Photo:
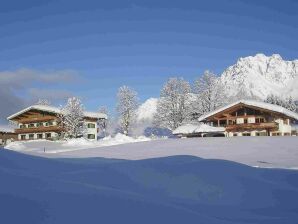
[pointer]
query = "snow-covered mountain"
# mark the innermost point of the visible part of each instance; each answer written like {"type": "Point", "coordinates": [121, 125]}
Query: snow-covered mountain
{"type": "Point", "coordinates": [251, 77]}
{"type": "Point", "coordinates": [260, 75]}
{"type": "Point", "coordinates": [147, 110]}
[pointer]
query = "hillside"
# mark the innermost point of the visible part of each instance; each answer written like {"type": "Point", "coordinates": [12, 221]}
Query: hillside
{"type": "Point", "coordinates": [252, 151]}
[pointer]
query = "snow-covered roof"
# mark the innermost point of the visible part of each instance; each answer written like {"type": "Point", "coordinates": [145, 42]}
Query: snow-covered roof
{"type": "Point", "coordinates": [258, 104]}
{"type": "Point", "coordinates": [56, 110]}
{"type": "Point", "coordinates": [197, 128]}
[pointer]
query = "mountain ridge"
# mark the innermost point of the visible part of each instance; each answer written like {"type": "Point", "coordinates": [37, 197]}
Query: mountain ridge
{"type": "Point", "coordinates": [260, 75]}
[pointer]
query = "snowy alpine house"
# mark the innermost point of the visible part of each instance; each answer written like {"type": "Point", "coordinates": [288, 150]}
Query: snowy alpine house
{"type": "Point", "coordinates": [41, 122]}
{"type": "Point", "coordinates": [252, 118]}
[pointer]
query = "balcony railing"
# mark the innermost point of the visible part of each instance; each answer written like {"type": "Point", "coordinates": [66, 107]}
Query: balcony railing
{"type": "Point", "coordinates": [38, 129]}
{"type": "Point", "coordinates": [36, 119]}
{"type": "Point", "coordinates": [252, 126]}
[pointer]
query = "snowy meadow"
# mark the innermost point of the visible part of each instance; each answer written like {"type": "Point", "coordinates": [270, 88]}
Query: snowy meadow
{"type": "Point", "coordinates": [175, 189]}
{"type": "Point", "coordinates": [270, 152]}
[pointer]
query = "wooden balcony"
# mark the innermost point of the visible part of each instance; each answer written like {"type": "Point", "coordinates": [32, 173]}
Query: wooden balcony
{"type": "Point", "coordinates": [36, 119]}
{"type": "Point", "coordinates": [252, 126]}
{"type": "Point", "coordinates": [38, 129]}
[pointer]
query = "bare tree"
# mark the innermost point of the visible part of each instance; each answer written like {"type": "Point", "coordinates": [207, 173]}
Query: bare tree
{"type": "Point", "coordinates": [71, 118]}
{"type": "Point", "coordinates": [210, 93]}
{"type": "Point", "coordinates": [126, 108]}
{"type": "Point", "coordinates": [173, 106]}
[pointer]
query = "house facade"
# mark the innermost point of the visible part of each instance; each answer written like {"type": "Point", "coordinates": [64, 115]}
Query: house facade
{"type": "Point", "coordinates": [252, 118]}
{"type": "Point", "coordinates": [41, 122]}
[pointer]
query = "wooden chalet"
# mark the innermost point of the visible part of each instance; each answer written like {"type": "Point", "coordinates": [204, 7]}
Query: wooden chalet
{"type": "Point", "coordinates": [252, 118]}
{"type": "Point", "coordinates": [41, 122]}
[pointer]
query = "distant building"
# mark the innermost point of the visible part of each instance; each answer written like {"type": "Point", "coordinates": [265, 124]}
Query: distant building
{"type": "Point", "coordinates": [252, 118]}
{"type": "Point", "coordinates": [7, 135]}
{"type": "Point", "coordinates": [40, 122]}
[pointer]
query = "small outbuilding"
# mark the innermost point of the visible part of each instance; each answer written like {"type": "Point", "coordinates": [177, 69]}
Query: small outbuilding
{"type": "Point", "coordinates": [198, 130]}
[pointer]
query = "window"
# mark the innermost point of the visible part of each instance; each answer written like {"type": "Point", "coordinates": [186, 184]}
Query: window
{"type": "Point", "coordinates": [46, 124]}
{"type": "Point", "coordinates": [39, 136]}
{"type": "Point", "coordinates": [23, 137]}
{"type": "Point", "coordinates": [91, 125]}
{"type": "Point", "coordinates": [91, 136]}
{"type": "Point", "coordinates": [31, 136]}
{"type": "Point", "coordinates": [259, 120]}
{"type": "Point", "coordinates": [240, 112]}
{"type": "Point", "coordinates": [245, 121]}
{"type": "Point", "coordinates": [48, 135]}
{"type": "Point", "coordinates": [261, 134]}
{"type": "Point", "coordinates": [230, 122]}
{"type": "Point", "coordinates": [31, 125]}
{"type": "Point", "coordinates": [39, 124]}
{"type": "Point", "coordinates": [275, 134]}
{"type": "Point", "coordinates": [50, 123]}
{"type": "Point", "coordinates": [235, 134]}
{"type": "Point", "coordinates": [245, 134]}
{"type": "Point", "coordinates": [22, 126]}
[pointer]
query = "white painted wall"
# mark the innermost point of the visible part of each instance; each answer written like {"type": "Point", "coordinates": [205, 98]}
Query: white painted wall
{"type": "Point", "coordinates": [91, 130]}
{"type": "Point", "coordinates": [283, 127]}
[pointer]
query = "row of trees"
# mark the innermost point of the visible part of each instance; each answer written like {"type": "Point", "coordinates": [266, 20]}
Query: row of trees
{"type": "Point", "coordinates": [179, 102]}
{"type": "Point", "coordinates": [287, 102]}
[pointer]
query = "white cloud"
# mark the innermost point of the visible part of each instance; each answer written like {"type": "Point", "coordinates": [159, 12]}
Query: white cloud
{"type": "Point", "coordinates": [50, 94]}
{"type": "Point", "coordinates": [24, 81]}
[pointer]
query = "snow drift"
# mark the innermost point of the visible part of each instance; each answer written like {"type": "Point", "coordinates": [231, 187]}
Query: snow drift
{"type": "Point", "coordinates": [179, 189]}
{"type": "Point", "coordinates": [45, 146]}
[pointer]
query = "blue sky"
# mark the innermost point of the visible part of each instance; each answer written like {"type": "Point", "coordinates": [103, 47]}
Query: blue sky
{"type": "Point", "coordinates": [107, 44]}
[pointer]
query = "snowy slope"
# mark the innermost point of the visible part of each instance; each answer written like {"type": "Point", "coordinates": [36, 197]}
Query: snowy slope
{"type": "Point", "coordinates": [46, 146]}
{"type": "Point", "coordinates": [276, 152]}
{"type": "Point", "coordinates": [179, 189]}
{"type": "Point", "coordinates": [260, 75]}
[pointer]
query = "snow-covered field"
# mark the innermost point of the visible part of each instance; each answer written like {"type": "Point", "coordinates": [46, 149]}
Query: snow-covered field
{"type": "Point", "coordinates": [46, 146]}
{"type": "Point", "coordinates": [270, 152]}
{"type": "Point", "coordinates": [176, 189]}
